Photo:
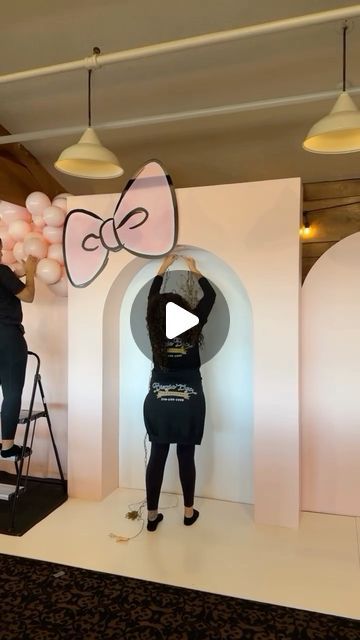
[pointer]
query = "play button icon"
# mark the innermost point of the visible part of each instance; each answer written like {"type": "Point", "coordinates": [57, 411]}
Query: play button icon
{"type": "Point", "coordinates": [178, 320]}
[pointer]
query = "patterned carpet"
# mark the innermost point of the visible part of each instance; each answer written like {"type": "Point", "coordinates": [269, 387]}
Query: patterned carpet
{"type": "Point", "coordinates": [46, 601]}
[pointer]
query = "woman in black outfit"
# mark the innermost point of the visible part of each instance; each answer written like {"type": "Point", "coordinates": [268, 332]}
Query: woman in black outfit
{"type": "Point", "coordinates": [13, 350]}
{"type": "Point", "coordinates": [174, 408]}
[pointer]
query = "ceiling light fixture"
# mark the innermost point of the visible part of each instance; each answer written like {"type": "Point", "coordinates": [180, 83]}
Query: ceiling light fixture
{"type": "Point", "coordinates": [339, 131]}
{"type": "Point", "coordinates": [89, 158]}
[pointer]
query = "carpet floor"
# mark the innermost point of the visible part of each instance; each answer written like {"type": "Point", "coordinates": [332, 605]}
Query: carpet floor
{"type": "Point", "coordinates": [46, 601]}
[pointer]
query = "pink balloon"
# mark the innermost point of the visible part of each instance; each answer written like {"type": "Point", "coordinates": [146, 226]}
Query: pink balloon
{"type": "Point", "coordinates": [36, 202]}
{"type": "Point", "coordinates": [18, 251]}
{"type": "Point", "coordinates": [53, 234]}
{"type": "Point", "coordinates": [38, 221]}
{"type": "Point", "coordinates": [49, 271]}
{"type": "Point", "coordinates": [55, 252]}
{"type": "Point", "coordinates": [10, 212]}
{"type": "Point", "coordinates": [19, 269]}
{"type": "Point", "coordinates": [19, 229]}
{"type": "Point", "coordinates": [7, 257]}
{"type": "Point", "coordinates": [61, 203]}
{"type": "Point", "coordinates": [54, 216]}
{"type": "Point", "coordinates": [60, 288]}
{"type": "Point", "coordinates": [36, 247]}
{"type": "Point", "coordinates": [7, 241]}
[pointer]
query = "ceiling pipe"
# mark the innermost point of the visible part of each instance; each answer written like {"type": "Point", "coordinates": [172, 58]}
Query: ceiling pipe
{"type": "Point", "coordinates": [207, 39]}
{"type": "Point", "coordinates": [163, 118]}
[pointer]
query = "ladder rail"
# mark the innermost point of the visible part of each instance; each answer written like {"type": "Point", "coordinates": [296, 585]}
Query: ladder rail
{"type": "Point", "coordinates": [26, 434]}
{"type": "Point", "coordinates": [19, 465]}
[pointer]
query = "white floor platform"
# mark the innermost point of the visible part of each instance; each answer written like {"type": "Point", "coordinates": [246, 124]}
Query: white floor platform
{"type": "Point", "coordinates": [316, 567]}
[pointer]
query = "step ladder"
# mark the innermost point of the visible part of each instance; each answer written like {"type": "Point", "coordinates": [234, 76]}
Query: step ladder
{"type": "Point", "coordinates": [29, 418]}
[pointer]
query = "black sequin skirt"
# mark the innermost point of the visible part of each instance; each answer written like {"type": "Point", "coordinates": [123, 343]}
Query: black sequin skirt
{"type": "Point", "coordinates": [174, 408]}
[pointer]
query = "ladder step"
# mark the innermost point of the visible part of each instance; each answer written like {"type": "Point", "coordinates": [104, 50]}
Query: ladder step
{"type": "Point", "coordinates": [7, 490]}
{"type": "Point", "coordinates": [36, 413]}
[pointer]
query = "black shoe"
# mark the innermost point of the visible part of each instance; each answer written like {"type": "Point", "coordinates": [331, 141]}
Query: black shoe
{"type": "Point", "coordinates": [152, 524]}
{"type": "Point", "coordinates": [15, 452]}
{"type": "Point", "coordinates": [189, 521]}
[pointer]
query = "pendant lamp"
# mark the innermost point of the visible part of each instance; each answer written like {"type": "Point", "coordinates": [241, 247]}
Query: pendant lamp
{"type": "Point", "coordinates": [89, 158]}
{"type": "Point", "coordinates": [339, 131]}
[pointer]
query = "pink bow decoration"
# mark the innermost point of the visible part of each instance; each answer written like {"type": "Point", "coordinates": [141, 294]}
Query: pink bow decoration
{"type": "Point", "coordinates": [144, 223]}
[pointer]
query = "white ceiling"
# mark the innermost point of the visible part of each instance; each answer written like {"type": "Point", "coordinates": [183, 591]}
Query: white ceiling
{"type": "Point", "coordinates": [254, 145]}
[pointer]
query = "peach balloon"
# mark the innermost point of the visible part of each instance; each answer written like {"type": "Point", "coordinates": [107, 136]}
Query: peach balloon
{"type": "Point", "coordinates": [19, 269]}
{"type": "Point", "coordinates": [55, 252]}
{"type": "Point", "coordinates": [19, 229]}
{"type": "Point", "coordinates": [37, 202]}
{"type": "Point", "coordinates": [36, 247]}
{"type": "Point", "coordinates": [7, 257]}
{"type": "Point", "coordinates": [49, 271]}
{"type": "Point", "coordinates": [7, 241]}
{"type": "Point", "coordinates": [60, 288]}
{"type": "Point", "coordinates": [54, 216]}
{"type": "Point", "coordinates": [18, 251]}
{"type": "Point", "coordinates": [53, 234]}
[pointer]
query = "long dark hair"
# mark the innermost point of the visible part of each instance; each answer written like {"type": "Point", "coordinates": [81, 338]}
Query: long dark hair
{"type": "Point", "coordinates": [156, 322]}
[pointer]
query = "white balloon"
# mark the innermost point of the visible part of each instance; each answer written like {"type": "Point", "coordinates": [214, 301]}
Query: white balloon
{"type": "Point", "coordinates": [49, 271]}
{"type": "Point", "coordinates": [61, 203]}
{"type": "Point", "coordinates": [53, 234]}
{"type": "Point", "coordinates": [11, 212]}
{"type": "Point", "coordinates": [19, 269]}
{"type": "Point", "coordinates": [36, 247]}
{"type": "Point", "coordinates": [34, 234]}
{"type": "Point", "coordinates": [54, 216]}
{"type": "Point", "coordinates": [19, 229]}
{"type": "Point", "coordinates": [36, 202]}
{"type": "Point", "coordinates": [38, 221]}
{"type": "Point", "coordinates": [18, 251]}
{"type": "Point", "coordinates": [60, 288]}
{"type": "Point", "coordinates": [55, 252]}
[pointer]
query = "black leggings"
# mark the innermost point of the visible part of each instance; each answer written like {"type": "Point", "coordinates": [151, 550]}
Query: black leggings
{"type": "Point", "coordinates": [13, 358]}
{"type": "Point", "coordinates": [155, 473]}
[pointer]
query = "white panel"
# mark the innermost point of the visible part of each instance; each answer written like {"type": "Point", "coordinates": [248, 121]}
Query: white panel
{"type": "Point", "coordinates": [330, 381]}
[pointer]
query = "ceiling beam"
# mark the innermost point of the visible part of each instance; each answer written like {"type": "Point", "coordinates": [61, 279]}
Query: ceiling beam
{"type": "Point", "coordinates": [21, 173]}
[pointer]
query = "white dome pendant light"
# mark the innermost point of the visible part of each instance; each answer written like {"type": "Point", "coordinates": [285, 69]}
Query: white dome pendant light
{"type": "Point", "coordinates": [88, 158]}
{"type": "Point", "coordinates": [339, 131]}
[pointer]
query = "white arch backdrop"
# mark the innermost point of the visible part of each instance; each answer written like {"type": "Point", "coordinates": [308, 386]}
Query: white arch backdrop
{"type": "Point", "coordinates": [254, 229]}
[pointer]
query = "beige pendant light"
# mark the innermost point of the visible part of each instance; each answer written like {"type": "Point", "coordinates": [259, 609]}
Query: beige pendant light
{"type": "Point", "coordinates": [88, 158]}
{"type": "Point", "coordinates": [339, 131]}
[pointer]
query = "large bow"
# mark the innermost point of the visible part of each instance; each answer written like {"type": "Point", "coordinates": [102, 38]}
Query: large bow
{"type": "Point", "coordinates": [144, 223]}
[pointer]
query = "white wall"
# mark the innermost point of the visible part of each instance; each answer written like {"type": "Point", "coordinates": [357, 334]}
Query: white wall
{"type": "Point", "coordinates": [330, 381]}
{"type": "Point", "coordinates": [225, 458]}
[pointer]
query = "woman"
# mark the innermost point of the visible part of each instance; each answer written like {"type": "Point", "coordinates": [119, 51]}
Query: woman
{"type": "Point", "coordinates": [13, 350]}
{"type": "Point", "coordinates": [174, 409]}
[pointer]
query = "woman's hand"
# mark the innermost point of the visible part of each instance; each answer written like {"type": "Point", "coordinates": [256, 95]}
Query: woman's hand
{"type": "Point", "coordinates": [192, 265]}
{"type": "Point", "coordinates": [166, 263]}
{"type": "Point", "coordinates": [30, 265]}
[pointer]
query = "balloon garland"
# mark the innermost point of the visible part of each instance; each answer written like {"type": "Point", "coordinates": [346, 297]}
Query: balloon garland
{"type": "Point", "coordinates": [36, 230]}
